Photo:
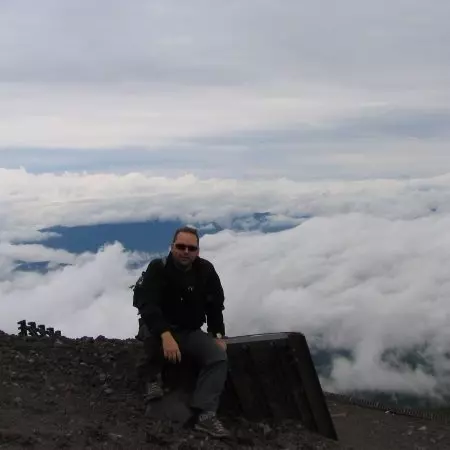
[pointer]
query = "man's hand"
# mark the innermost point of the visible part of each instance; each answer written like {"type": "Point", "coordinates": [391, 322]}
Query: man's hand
{"type": "Point", "coordinates": [170, 348]}
{"type": "Point", "coordinates": [221, 343]}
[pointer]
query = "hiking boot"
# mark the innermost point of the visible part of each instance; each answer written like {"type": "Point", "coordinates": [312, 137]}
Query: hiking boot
{"type": "Point", "coordinates": [209, 423]}
{"type": "Point", "coordinates": [154, 391]}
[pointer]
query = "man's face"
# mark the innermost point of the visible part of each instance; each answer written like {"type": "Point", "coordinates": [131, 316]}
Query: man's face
{"type": "Point", "coordinates": [185, 248]}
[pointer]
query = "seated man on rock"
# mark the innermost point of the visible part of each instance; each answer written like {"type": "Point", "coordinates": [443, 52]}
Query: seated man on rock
{"type": "Point", "coordinates": [175, 296]}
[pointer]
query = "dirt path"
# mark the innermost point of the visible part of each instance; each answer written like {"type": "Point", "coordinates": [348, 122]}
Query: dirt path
{"type": "Point", "coordinates": [369, 429]}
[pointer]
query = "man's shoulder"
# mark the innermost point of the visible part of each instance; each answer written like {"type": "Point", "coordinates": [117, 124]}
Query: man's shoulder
{"type": "Point", "coordinates": [204, 264]}
{"type": "Point", "coordinates": [158, 262]}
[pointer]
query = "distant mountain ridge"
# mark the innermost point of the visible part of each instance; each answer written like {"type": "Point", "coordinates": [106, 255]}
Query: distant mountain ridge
{"type": "Point", "coordinates": [150, 236]}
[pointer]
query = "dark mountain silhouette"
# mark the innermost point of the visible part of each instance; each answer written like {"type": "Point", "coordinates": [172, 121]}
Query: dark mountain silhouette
{"type": "Point", "coordinates": [148, 236]}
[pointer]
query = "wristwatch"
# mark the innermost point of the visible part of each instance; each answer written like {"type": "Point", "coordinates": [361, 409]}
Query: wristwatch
{"type": "Point", "coordinates": [219, 336]}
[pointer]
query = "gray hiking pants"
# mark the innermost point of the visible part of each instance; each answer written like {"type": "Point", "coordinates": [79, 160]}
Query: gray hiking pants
{"type": "Point", "coordinates": [203, 349]}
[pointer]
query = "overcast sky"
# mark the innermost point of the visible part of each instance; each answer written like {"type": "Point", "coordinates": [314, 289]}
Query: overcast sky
{"type": "Point", "coordinates": [257, 88]}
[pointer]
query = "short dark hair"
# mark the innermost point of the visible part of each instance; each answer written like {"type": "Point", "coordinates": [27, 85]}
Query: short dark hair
{"type": "Point", "coordinates": [186, 229]}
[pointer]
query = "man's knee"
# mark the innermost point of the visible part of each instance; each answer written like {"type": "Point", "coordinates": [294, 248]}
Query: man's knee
{"type": "Point", "coordinates": [210, 351]}
{"type": "Point", "coordinates": [216, 357]}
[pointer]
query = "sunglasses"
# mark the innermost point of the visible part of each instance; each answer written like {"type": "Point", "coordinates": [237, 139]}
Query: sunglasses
{"type": "Point", "coordinates": [184, 247]}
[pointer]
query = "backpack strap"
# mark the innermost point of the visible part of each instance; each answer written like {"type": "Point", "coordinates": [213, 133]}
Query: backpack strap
{"type": "Point", "coordinates": [163, 261]}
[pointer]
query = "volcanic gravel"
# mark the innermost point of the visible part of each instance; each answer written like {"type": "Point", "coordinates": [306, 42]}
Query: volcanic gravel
{"type": "Point", "coordinates": [59, 393]}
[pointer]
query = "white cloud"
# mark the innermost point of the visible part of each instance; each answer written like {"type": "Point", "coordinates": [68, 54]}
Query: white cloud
{"type": "Point", "coordinates": [350, 281]}
{"type": "Point", "coordinates": [32, 201]}
{"type": "Point", "coordinates": [368, 273]}
{"type": "Point", "coordinates": [81, 298]}
{"type": "Point", "coordinates": [10, 253]}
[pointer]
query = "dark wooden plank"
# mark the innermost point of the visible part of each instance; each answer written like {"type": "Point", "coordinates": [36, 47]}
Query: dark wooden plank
{"type": "Point", "coordinates": [244, 378]}
{"type": "Point", "coordinates": [287, 366]}
{"type": "Point", "coordinates": [271, 380]}
{"type": "Point", "coordinates": [312, 386]}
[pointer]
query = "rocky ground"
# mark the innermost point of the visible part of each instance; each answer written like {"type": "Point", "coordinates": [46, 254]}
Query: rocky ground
{"type": "Point", "coordinates": [83, 394]}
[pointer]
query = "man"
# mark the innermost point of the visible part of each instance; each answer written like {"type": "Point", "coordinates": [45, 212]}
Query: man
{"type": "Point", "coordinates": [175, 298]}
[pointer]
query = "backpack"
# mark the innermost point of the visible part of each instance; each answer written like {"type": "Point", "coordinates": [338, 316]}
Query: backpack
{"type": "Point", "coordinates": [137, 286]}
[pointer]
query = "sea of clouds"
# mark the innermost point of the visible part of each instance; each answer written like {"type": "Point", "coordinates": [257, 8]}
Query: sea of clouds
{"type": "Point", "coordinates": [364, 267]}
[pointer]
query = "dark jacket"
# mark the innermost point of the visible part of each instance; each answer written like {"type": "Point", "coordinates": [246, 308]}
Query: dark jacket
{"type": "Point", "coordinates": [167, 297]}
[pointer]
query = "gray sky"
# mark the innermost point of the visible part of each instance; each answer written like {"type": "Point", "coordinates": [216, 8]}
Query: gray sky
{"type": "Point", "coordinates": [298, 89]}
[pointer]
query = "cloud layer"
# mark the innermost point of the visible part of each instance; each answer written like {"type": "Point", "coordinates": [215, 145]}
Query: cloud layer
{"type": "Point", "coordinates": [367, 273]}
{"type": "Point", "coordinates": [32, 201]}
{"type": "Point", "coordinates": [349, 282]}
